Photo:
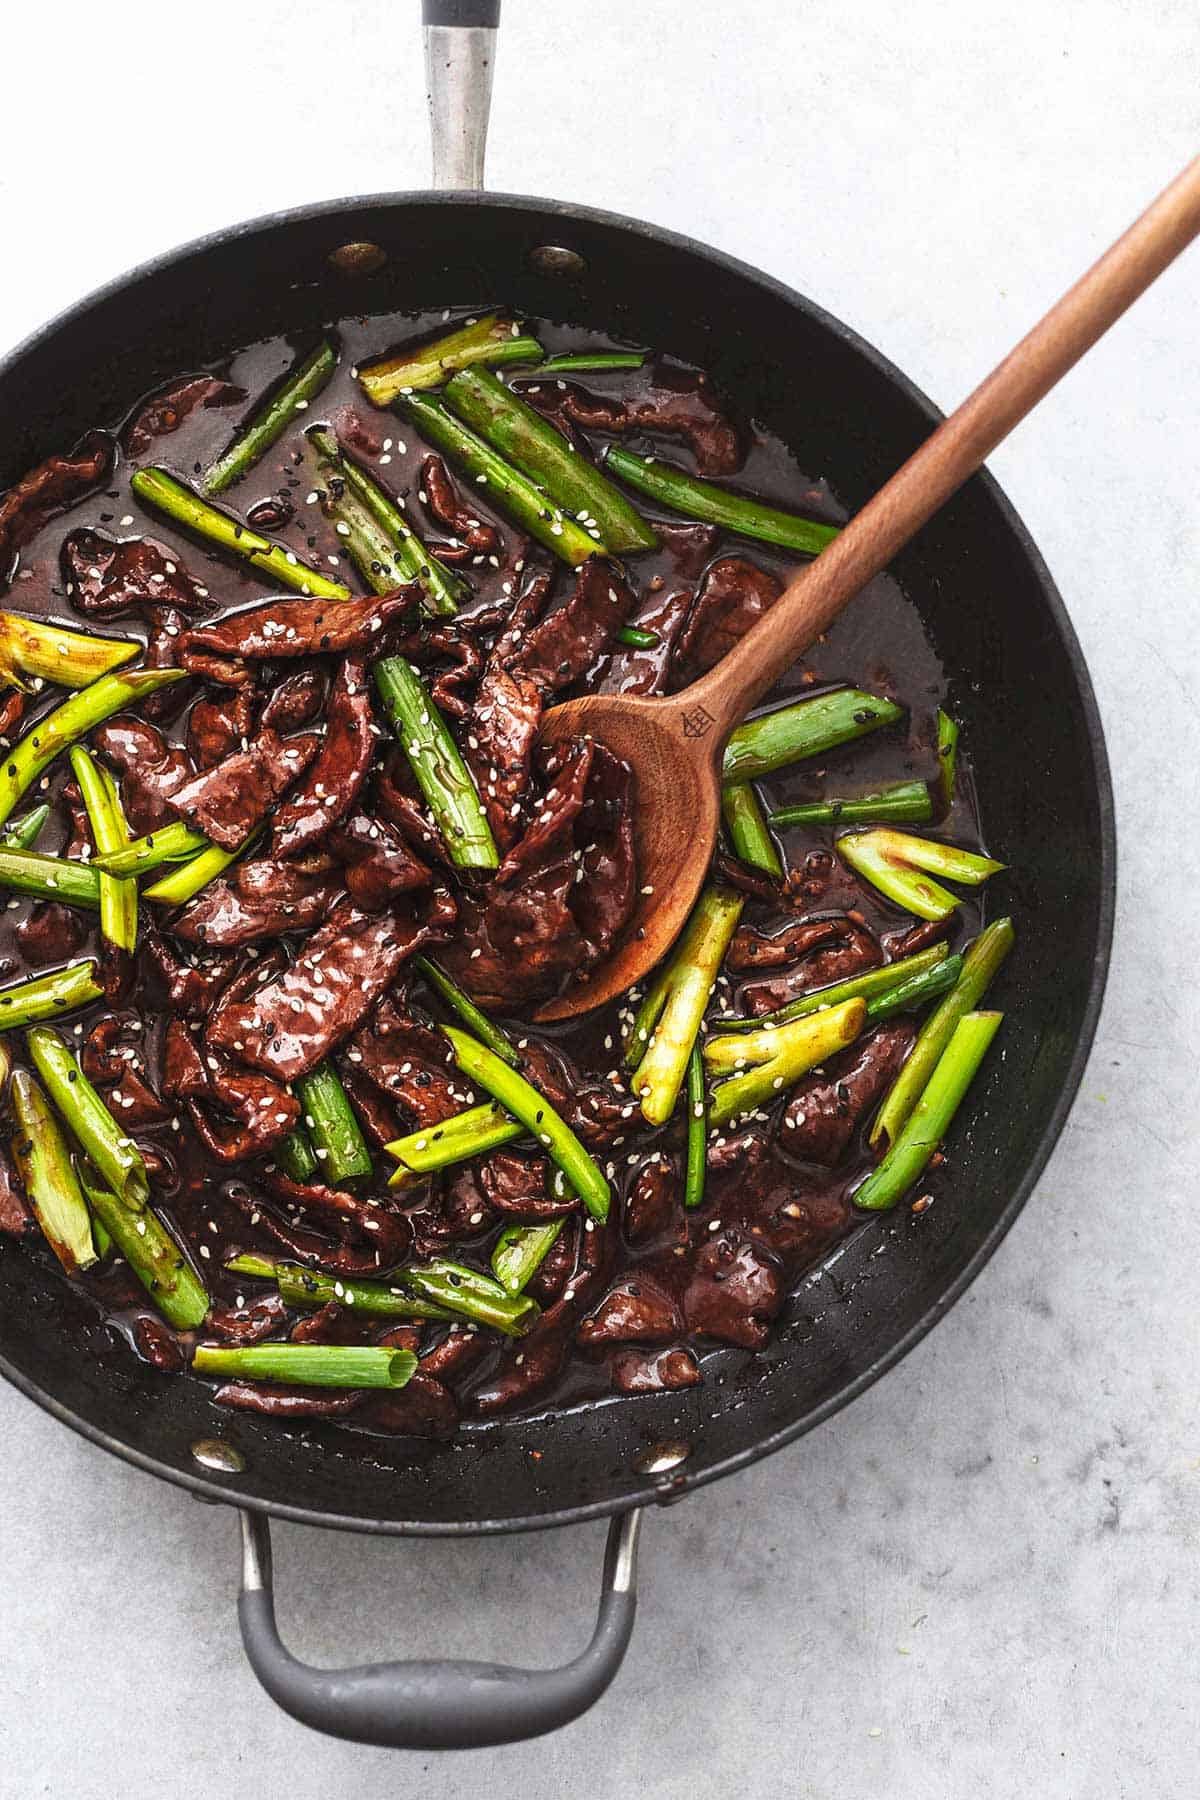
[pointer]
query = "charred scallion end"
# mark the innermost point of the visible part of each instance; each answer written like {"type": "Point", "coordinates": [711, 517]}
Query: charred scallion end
{"type": "Point", "coordinates": [746, 825]}
{"type": "Point", "coordinates": [930, 1118]}
{"type": "Point", "coordinates": [21, 766]}
{"type": "Point", "coordinates": [23, 833]}
{"type": "Point", "coordinates": [900, 866]}
{"type": "Point", "coordinates": [308, 1365]}
{"type": "Point", "coordinates": [300, 1286]}
{"type": "Point", "coordinates": [697, 1130]}
{"type": "Point", "coordinates": [385, 548]}
{"type": "Point", "coordinates": [163, 493]}
{"type": "Point", "coordinates": [520, 1252]}
{"type": "Point", "coordinates": [269, 421]}
{"type": "Point", "coordinates": [492, 339]}
{"type": "Point", "coordinates": [980, 963]}
{"type": "Point", "coordinates": [671, 487]}
{"type": "Point", "coordinates": [901, 803]}
{"type": "Point", "coordinates": [49, 877]}
{"type": "Point", "coordinates": [437, 765]}
{"type": "Point", "coordinates": [805, 728]}
{"type": "Point", "coordinates": [761, 1065]}
{"type": "Point", "coordinates": [455, 1140]}
{"type": "Point", "coordinates": [668, 1021]}
{"type": "Point", "coordinates": [43, 1162]}
{"type": "Point", "coordinates": [50, 996]}
{"type": "Point", "coordinates": [467, 1294]}
{"type": "Point", "coordinates": [115, 1157]}
{"type": "Point", "coordinates": [572, 482]}
{"type": "Point", "coordinates": [153, 1254]}
{"type": "Point", "coordinates": [36, 650]}
{"type": "Point", "coordinates": [176, 842]}
{"type": "Point", "coordinates": [185, 881]}
{"type": "Point", "coordinates": [520, 1098]}
{"type": "Point", "coordinates": [110, 834]}
{"type": "Point", "coordinates": [872, 984]}
{"type": "Point", "coordinates": [504, 486]}
{"type": "Point", "coordinates": [947, 753]}
{"type": "Point", "coordinates": [485, 1029]}
{"type": "Point", "coordinates": [333, 1131]}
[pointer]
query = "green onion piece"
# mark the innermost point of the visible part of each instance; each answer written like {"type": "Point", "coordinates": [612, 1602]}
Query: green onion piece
{"type": "Point", "coordinates": [21, 766]}
{"type": "Point", "coordinates": [637, 639]}
{"type": "Point", "coordinates": [504, 486]}
{"type": "Point", "coordinates": [115, 1157]}
{"type": "Point", "coordinates": [520, 1252]}
{"type": "Point", "coordinates": [271, 419]}
{"type": "Point", "coordinates": [437, 764]}
{"type": "Point", "coordinates": [917, 991]}
{"type": "Point", "coordinates": [981, 962]}
{"type": "Point", "coordinates": [333, 1130]}
{"type": "Point", "coordinates": [153, 1254]}
{"type": "Point", "coordinates": [50, 996]}
{"type": "Point", "coordinates": [522, 1100]}
{"type": "Point", "coordinates": [43, 1162]}
{"type": "Point", "coordinates": [762, 1064]}
{"type": "Point", "coordinates": [857, 987]}
{"type": "Point", "coordinates": [160, 491]}
{"type": "Point", "coordinates": [805, 728]}
{"type": "Point", "coordinates": [899, 865]}
{"type": "Point", "coordinates": [579, 362]}
{"type": "Point", "coordinates": [484, 1028]}
{"type": "Point", "coordinates": [703, 500]}
{"type": "Point", "coordinates": [457, 1139]}
{"type": "Point", "coordinates": [903, 803]}
{"type": "Point", "coordinates": [49, 877]}
{"type": "Point", "coordinates": [185, 882]}
{"type": "Point", "coordinates": [492, 339]}
{"type": "Point", "coordinates": [176, 842]}
{"type": "Point", "coordinates": [668, 1022]}
{"type": "Point", "coordinates": [572, 482]}
{"type": "Point", "coordinates": [24, 833]}
{"type": "Point", "coordinates": [110, 833]}
{"type": "Point", "coordinates": [309, 1288]}
{"type": "Point", "coordinates": [36, 650]}
{"type": "Point", "coordinates": [308, 1365]}
{"type": "Point", "coordinates": [930, 1118]}
{"type": "Point", "coordinates": [295, 1155]}
{"type": "Point", "coordinates": [469, 1295]}
{"type": "Point", "coordinates": [947, 752]}
{"type": "Point", "coordinates": [697, 1130]}
{"type": "Point", "coordinates": [748, 831]}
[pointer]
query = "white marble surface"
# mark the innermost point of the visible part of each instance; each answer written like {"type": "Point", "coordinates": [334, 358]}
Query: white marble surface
{"type": "Point", "coordinates": [982, 1577]}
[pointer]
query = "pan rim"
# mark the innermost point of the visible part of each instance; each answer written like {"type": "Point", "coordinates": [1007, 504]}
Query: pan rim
{"type": "Point", "coordinates": [650, 1492]}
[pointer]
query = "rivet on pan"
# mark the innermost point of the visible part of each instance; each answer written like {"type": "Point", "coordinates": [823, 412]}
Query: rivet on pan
{"type": "Point", "coordinates": [661, 1457]}
{"type": "Point", "coordinates": [215, 1453]}
{"type": "Point", "coordinates": [555, 259]}
{"type": "Point", "coordinates": [358, 259]}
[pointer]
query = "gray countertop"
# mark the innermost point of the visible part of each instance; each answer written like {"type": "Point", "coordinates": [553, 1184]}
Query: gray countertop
{"type": "Point", "coordinates": [982, 1574]}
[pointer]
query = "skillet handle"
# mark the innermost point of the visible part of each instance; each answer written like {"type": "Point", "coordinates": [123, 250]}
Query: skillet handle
{"type": "Point", "coordinates": [437, 1705]}
{"type": "Point", "coordinates": [460, 53]}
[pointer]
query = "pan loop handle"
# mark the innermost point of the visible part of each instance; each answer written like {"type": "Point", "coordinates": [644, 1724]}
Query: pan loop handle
{"type": "Point", "coordinates": [460, 54]}
{"type": "Point", "coordinates": [437, 1705]}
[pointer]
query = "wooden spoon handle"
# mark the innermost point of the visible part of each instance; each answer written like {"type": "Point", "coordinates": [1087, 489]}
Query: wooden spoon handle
{"type": "Point", "coordinates": [816, 595]}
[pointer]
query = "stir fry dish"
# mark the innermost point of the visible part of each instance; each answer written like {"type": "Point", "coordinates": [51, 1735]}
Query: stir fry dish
{"type": "Point", "coordinates": [289, 874]}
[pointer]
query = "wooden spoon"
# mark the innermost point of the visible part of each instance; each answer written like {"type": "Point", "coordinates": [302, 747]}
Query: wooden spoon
{"type": "Point", "coordinates": [674, 743]}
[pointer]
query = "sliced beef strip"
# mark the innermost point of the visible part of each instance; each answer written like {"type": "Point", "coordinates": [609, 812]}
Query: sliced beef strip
{"type": "Point", "coordinates": [15, 1216]}
{"type": "Point", "coordinates": [519, 1187]}
{"type": "Point", "coordinates": [377, 861]}
{"type": "Point", "coordinates": [256, 900]}
{"type": "Point", "coordinates": [396, 801]}
{"type": "Point", "coordinates": [295, 701]}
{"type": "Point", "coordinates": [635, 1311]}
{"type": "Point", "coordinates": [557, 1266]}
{"type": "Point", "coordinates": [857, 951]}
{"type": "Point", "coordinates": [410, 1064]}
{"type": "Point", "coordinates": [753, 949]}
{"type": "Point", "coordinates": [229, 801]}
{"type": "Point", "coordinates": [554, 814]}
{"type": "Point", "coordinates": [500, 741]}
{"type": "Point", "coordinates": [605, 883]}
{"type": "Point", "coordinates": [49, 489]}
{"type": "Point", "coordinates": [380, 1124]}
{"type": "Point", "coordinates": [107, 577]}
{"type": "Point", "coordinates": [421, 1408]}
{"type": "Point", "coordinates": [264, 1111]}
{"type": "Point", "coordinates": [280, 629]}
{"type": "Point", "coordinates": [190, 988]}
{"type": "Point", "coordinates": [287, 1027]}
{"type": "Point", "coordinates": [51, 933]}
{"type": "Point", "coordinates": [275, 1217]}
{"type": "Point", "coordinates": [165, 412]}
{"type": "Point", "coordinates": [456, 1354]}
{"type": "Point", "coordinates": [734, 595]}
{"type": "Point", "coordinates": [595, 1110]}
{"type": "Point", "coordinates": [565, 644]}
{"type": "Point", "coordinates": [825, 1111]}
{"type": "Point", "coordinates": [654, 1371]}
{"type": "Point", "coordinates": [216, 728]}
{"type": "Point", "coordinates": [165, 626]}
{"type": "Point", "coordinates": [12, 710]}
{"type": "Point", "coordinates": [733, 1290]}
{"type": "Point", "coordinates": [455, 1211]}
{"type": "Point", "coordinates": [330, 785]}
{"type": "Point", "coordinates": [113, 1058]}
{"type": "Point", "coordinates": [466, 665]}
{"type": "Point", "coordinates": [281, 1401]}
{"type": "Point", "coordinates": [440, 495]}
{"type": "Point", "coordinates": [676, 403]}
{"type": "Point", "coordinates": [779, 1206]}
{"type": "Point", "coordinates": [261, 1317]}
{"type": "Point", "coordinates": [346, 1215]}
{"type": "Point", "coordinates": [531, 1363]}
{"type": "Point", "coordinates": [150, 770]}
{"type": "Point", "coordinates": [650, 1205]}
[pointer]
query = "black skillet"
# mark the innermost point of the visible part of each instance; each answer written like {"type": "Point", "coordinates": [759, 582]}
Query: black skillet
{"type": "Point", "coordinates": [1018, 683]}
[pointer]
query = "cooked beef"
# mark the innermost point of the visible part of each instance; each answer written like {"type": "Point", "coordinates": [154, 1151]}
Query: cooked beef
{"type": "Point", "coordinates": [108, 578]}
{"type": "Point", "coordinates": [256, 900]}
{"type": "Point", "coordinates": [49, 489]}
{"type": "Point", "coordinates": [232, 799]}
{"type": "Point", "coordinates": [150, 771]}
{"type": "Point", "coordinates": [734, 595]}
{"type": "Point", "coordinates": [330, 785]}
{"type": "Point", "coordinates": [825, 1111]}
{"type": "Point", "coordinates": [166, 411]}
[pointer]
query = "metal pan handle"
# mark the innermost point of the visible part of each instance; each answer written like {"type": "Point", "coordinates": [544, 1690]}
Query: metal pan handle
{"type": "Point", "coordinates": [437, 1705]}
{"type": "Point", "coordinates": [460, 53]}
